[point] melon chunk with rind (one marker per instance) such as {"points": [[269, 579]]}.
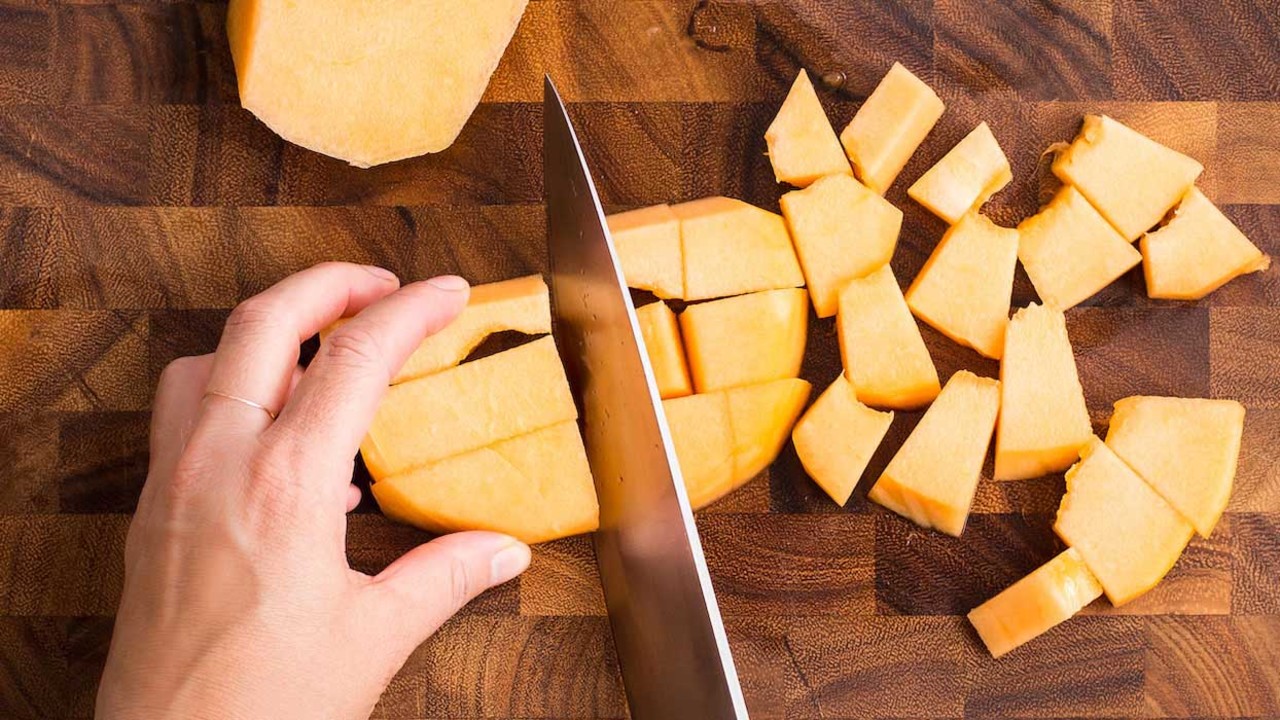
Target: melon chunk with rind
{"points": [[890, 125], [802, 144], [730, 247], [883, 354], [661, 334], [1198, 251], [745, 339], [647, 241], [965, 178], [1039, 602], [836, 437]]}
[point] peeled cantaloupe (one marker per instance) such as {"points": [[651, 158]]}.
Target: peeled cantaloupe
{"points": [[880, 345], [802, 145], [889, 126], [368, 83], [666, 351], [730, 247], [1036, 604], [965, 178], [746, 339], [1197, 252], [836, 438], [647, 241], [761, 416]]}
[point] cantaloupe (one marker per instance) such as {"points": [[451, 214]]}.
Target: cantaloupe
{"points": [[1197, 252], [889, 126], [965, 178], [703, 440], [841, 231], [368, 82], [665, 349], [745, 339], [836, 438], [880, 345], [802, 145], [1037, 603], [761, 416], [647, 241], [731, 247]]}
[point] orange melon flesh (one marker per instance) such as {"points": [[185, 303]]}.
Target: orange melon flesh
{"points": [[648, 245], [1070, 252], [802, 145], [1037, 603], [1127, 534], [368, 83], [745, 339], [665, 350], [965, 178], [1197, 252], [1186, 449], [965, 288], [534, 487], [1043, 418], [889, 126], [880, 345], [730, 247], [1130, 178], [932, 478], [761, 417], [841, 231], [703, 440], [836, 438]]}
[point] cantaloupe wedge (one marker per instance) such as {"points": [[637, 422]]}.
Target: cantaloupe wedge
{"points": [[802, 145], [647, 241], [1070, 252], [1043, 418], [1037, 603], [841, 231], [1127, 534], [932, 478], [745, 339], [965, 288], [534, 487], [836, 438], [1185, 448], [965, 178], [762, 416], [662, 342], [1130, 178], [1197, 252], [880, 345], [889, 126], [731, 247], [368, 82], [703, 440]]}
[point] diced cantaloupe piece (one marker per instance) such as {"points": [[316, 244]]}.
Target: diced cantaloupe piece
{"points": [[1197, 252], [884, 356], [1127, 534], [648, 244], [367, 82], [965, 288], [745, 339], [703, 440], [841, 231], [1185, 448], [534, 487], [1130, 178], [965, 178], [761, 417], [1043, 418], [934, 475], [1070, 251], [731, 247], [889, 126], [662, 341], [802, 145], [1037, 603], [836, 438]]}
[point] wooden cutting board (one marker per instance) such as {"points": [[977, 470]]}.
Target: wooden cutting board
{"points": [[138, 203]]}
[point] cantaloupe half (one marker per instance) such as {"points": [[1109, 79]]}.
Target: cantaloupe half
{"points": [[836, 438], [368, 82], [730, 247], [647, 241], [1037, 603], [746, 339], [1197, 252], [889, 126], [802, 145], [965, 178], [880, 345], [662, 342]]}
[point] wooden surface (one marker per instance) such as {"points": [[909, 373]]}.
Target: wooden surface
{"points": [[138, 203]]}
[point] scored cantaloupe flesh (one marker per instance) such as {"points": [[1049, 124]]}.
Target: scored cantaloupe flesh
{"points": [[1070, 252], [730, 247], [836, 438], [889, 126], [1185, 448], [1197, 252], [965, 288], [1037, 603], [647, 241], [880, 345], [934, 475], [745, 339], [534, 487], [761, 417], [367, 82], [666, 352], [1043, 418], [965, 178], [703, 440], [802, 145], [841, 231], [1127, 534]]}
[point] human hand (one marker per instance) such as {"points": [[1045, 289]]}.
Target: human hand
{"points": [[238, 600]]}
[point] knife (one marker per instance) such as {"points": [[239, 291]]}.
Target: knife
{"points": [[667, 630]]}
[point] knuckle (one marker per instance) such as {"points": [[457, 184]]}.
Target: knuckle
{"points": [[177, 370], [354, 347], [461, 582], [254, 315]]}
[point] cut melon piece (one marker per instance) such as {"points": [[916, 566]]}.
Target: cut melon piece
{"points": [[1071, 252], [1130, 178], [761, 417], [965, 178], [1197, 252], [880, 345], [533, 487], [836, 438], [932, 478], [965, 288], [1043, 418], [1185, 448], [648, 245], [802, 145], [746, 339], [1037, 603], [368, 83], [889, 126], [1127, 534], [841, 231], [731, 247], [666, 351], [703, 440]]}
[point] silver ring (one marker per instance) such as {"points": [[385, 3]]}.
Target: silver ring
{"points": [[243, 401]]}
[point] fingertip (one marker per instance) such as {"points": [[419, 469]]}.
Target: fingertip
{"points": [[449, 283], [509, 562]]}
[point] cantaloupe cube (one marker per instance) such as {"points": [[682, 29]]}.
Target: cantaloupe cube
{"points": [[534, 487], [965, 178], [1127, 534], [1036, 604], [932, 478], [1070, 252], [703, 440], [1185, 448], [731, 248], [965, 288], [762, 416], [836, 438], [648, 245], [889, 126], [841, 231], [880, 345], [1043, 418], [1197, 252], [746, 339], [1130, 178], [802, 145], [666, 351]]}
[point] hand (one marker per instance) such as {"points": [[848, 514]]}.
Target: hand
{"points": [[238, 601]]}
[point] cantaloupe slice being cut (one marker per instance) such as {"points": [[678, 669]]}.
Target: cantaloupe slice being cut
{"points": [[889, 126], [965, 178], [880, 345], [836, 438], [647, 241], [761, 417], [1037, 603], [730, 247], [1197, 252], [746, 339], [802, 145], [662, 342]]}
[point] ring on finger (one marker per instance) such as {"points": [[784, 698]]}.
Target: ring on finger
{"points": [[243, 401]]}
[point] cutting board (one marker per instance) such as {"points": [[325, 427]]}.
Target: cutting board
{"points": [[138, 203]]}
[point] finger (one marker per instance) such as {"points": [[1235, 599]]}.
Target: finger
{"points": [[175, 409], [353, 497]]}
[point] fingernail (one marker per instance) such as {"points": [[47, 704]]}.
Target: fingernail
{"points": [[508, 563], [449, 283], [380, 273]]}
